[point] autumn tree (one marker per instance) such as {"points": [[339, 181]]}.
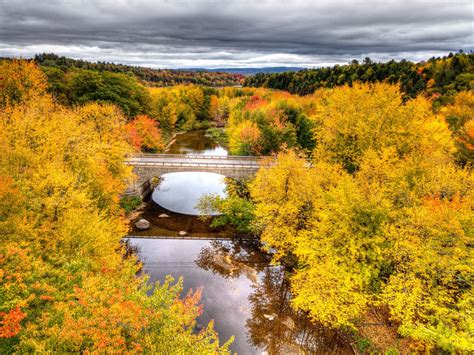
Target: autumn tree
{"points": [[352, 120], [144, 134], [183, 107], [67, 284], [20, 81], [244, 139], [460, 117], [380, 219]]}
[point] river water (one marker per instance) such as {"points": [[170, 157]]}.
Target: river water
{"points": [[195, 142], [242, 292], [180, 192]]}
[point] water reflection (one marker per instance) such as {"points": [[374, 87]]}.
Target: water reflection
{"points": [[195, 142], [233, 259], [277, 327], [273, 325], [224, 299], [180, 192], [242, 292]]}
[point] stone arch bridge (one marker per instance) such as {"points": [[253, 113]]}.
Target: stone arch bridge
{"points": [[150, 166]]}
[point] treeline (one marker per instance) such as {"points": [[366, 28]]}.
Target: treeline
{"points": [[68, 285], [258, 121], [152, 77], [440, 78], [153, 114]]}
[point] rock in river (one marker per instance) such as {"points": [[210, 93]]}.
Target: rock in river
{"points": [[270, 316], [183, 233], [142, 224], [163, 215]]}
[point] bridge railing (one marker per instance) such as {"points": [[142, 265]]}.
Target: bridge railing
{"points": [[193, 165], [189, 237], [195, 156]]}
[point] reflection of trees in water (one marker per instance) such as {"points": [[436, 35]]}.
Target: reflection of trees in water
{"points": [[232, 259], [190, 142], [274, 325], [278, 328], [202, 143]]}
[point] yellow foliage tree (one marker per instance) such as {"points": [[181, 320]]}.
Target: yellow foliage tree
{"points": [[380, 219], [20, 81], [244, 138], [67, 284], [352, 120], [460, 116]]}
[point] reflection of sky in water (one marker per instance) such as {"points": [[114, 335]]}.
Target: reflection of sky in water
{"points": [[180, 192], [215, 151], [224, 300]]}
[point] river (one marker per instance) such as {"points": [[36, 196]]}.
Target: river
{"points": [[241, 291]]}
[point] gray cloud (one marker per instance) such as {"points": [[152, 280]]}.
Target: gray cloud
{"points": [[225, 33]]}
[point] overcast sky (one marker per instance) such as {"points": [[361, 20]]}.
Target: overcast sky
{"points": [[235, 33]]}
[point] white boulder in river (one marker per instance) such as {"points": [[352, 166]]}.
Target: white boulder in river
{"points": [[142, 224], [163, 215]]}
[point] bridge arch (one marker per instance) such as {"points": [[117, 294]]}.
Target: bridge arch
{"points": [[150, 166]]}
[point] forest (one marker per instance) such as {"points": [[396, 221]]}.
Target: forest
{"points": [[372, 207], [380, 221], [439, 78], [68, 284], [365, 194], [55, 65]]}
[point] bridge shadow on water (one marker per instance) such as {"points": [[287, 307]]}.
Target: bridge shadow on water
{"points": [[171, 225]]}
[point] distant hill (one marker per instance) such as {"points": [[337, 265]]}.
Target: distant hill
{"points": [[249, 71], [440, 78], [151, 77]]}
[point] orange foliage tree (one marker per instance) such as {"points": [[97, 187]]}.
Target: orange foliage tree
{"points": [[144, 134]]}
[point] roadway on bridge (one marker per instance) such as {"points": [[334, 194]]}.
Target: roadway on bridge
{"points": [[194, 160]]}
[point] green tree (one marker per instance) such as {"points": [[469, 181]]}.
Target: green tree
{"points": [[123, 90]]}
